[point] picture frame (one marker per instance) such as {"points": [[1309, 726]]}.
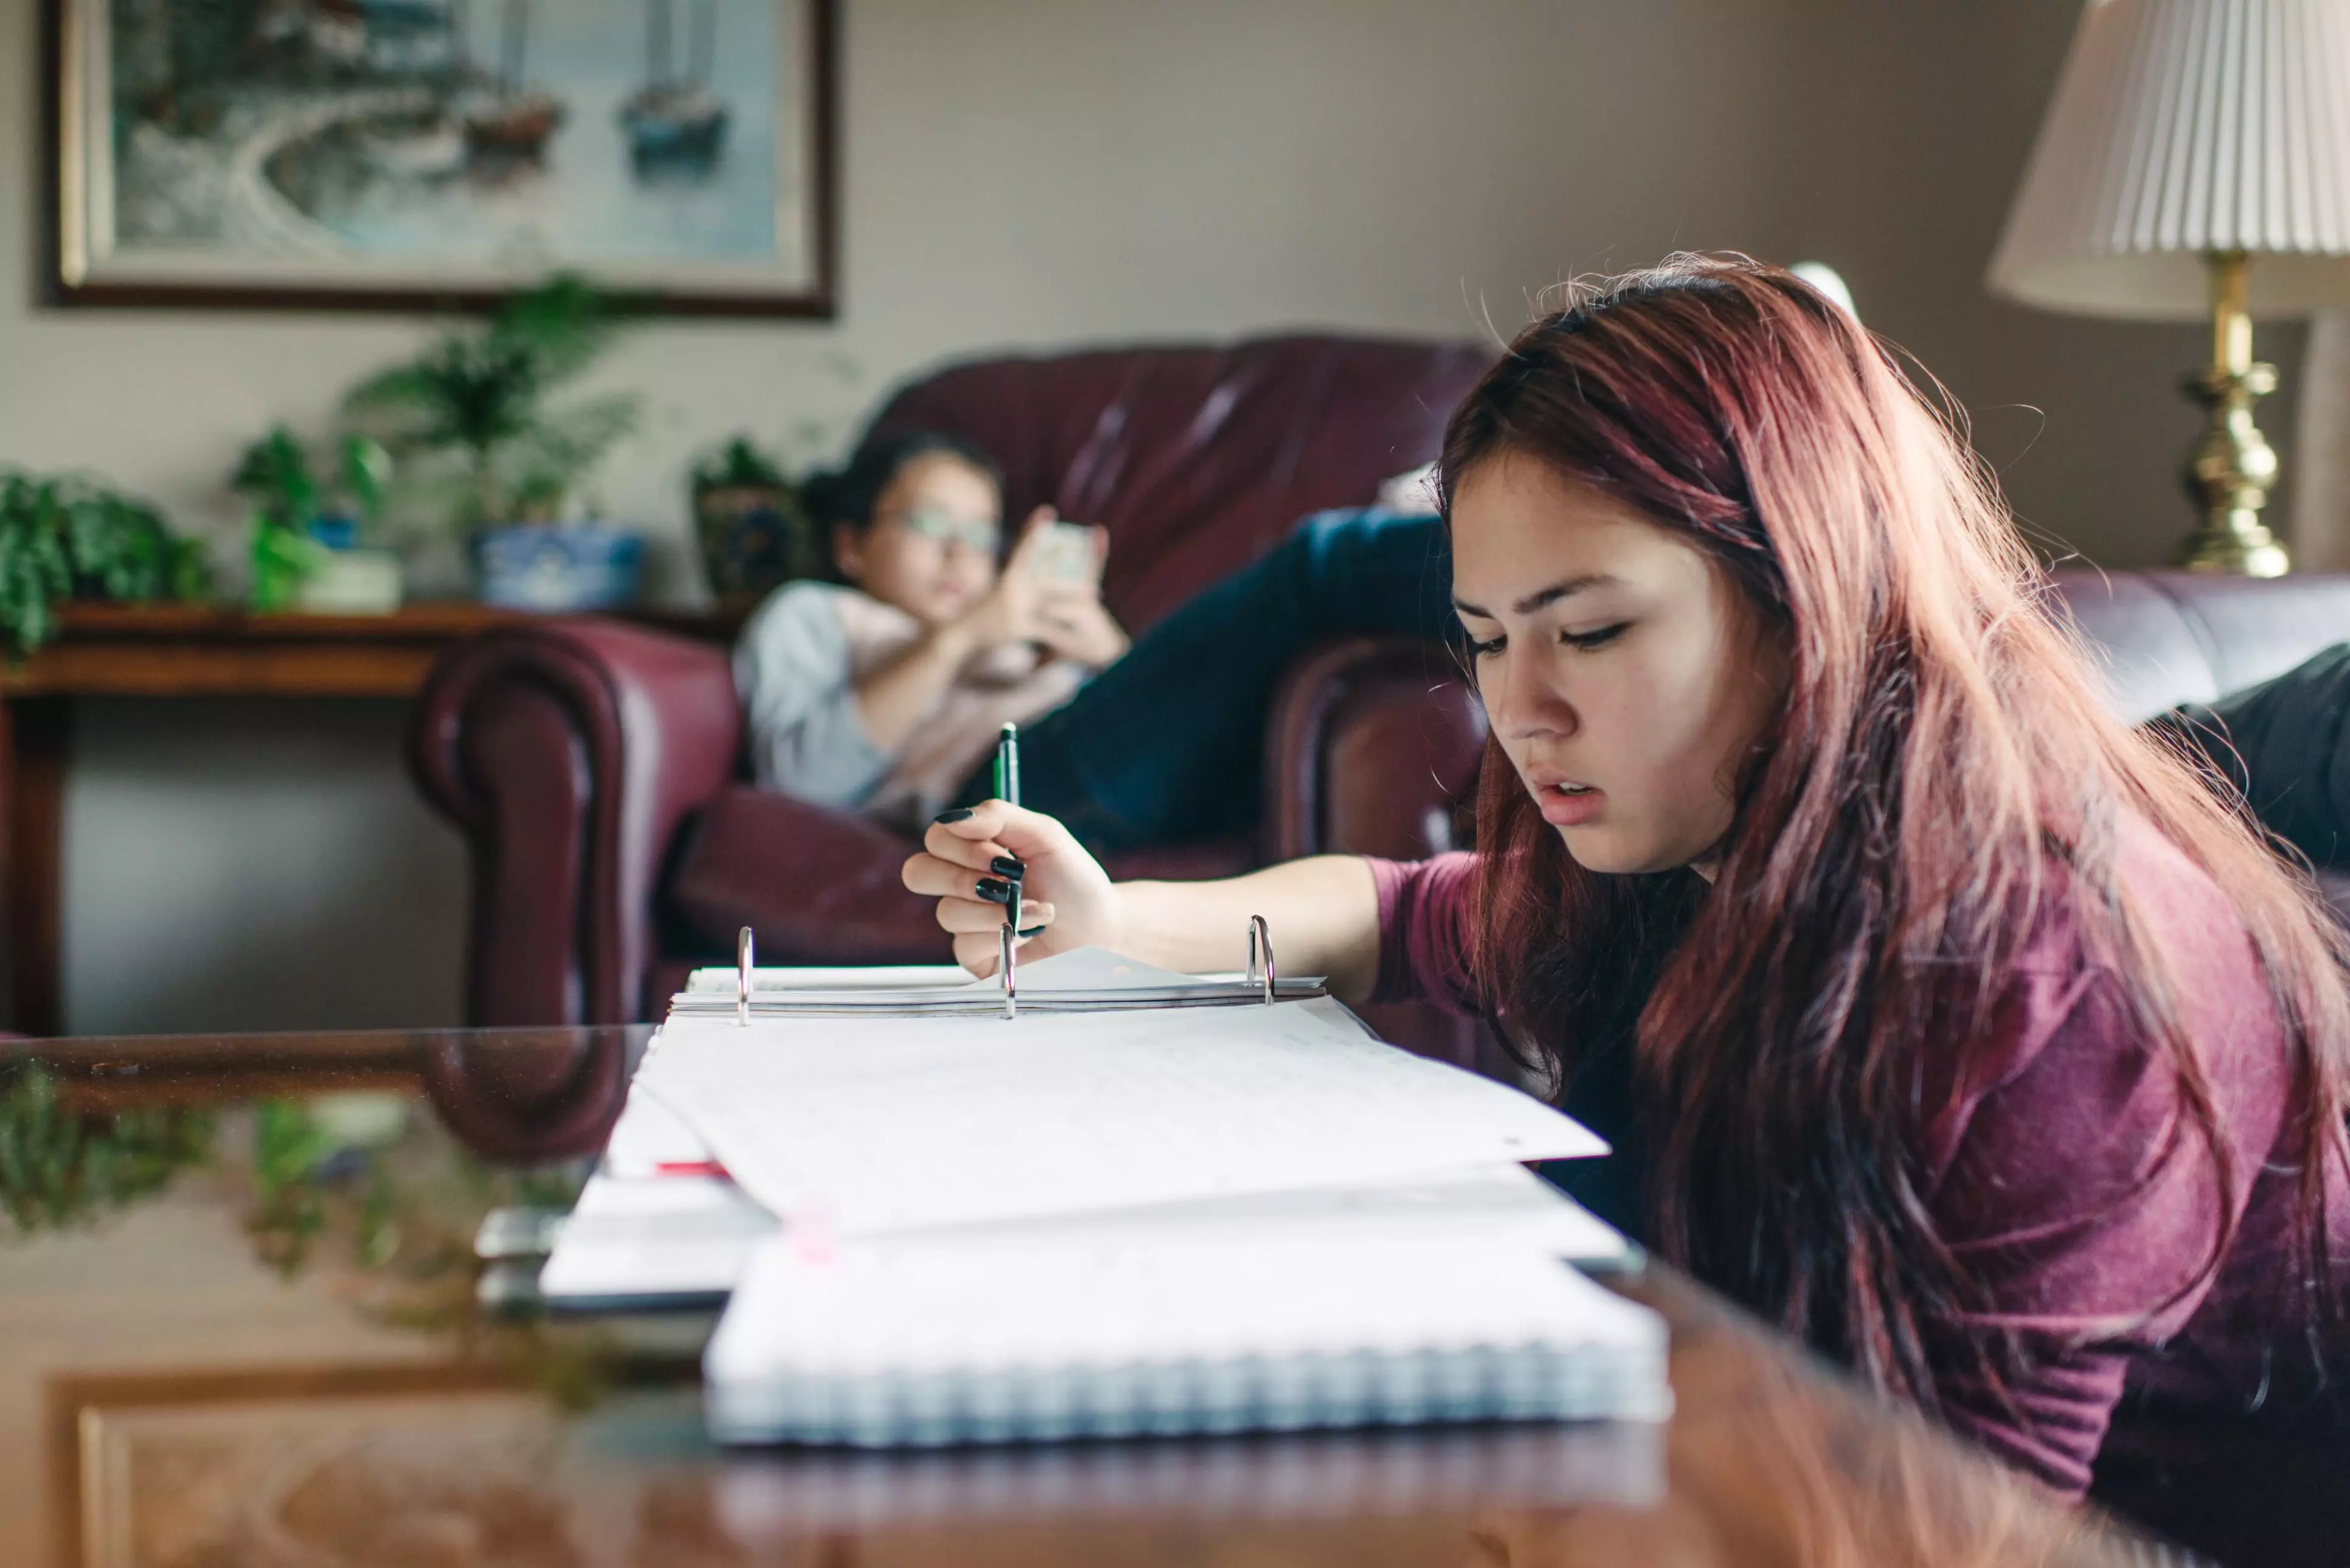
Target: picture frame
{"points": [[414, 155], [193, 1452]]}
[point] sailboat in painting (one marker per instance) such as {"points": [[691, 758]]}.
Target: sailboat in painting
{"points": [[673, 119], [514, 125]]}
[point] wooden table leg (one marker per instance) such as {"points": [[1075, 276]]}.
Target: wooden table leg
{"points": [[36, 734]]}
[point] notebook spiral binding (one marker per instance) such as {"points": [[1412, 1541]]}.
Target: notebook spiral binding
{"points": [[1302, 1392]]}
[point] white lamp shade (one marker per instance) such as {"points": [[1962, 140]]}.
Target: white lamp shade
{"points": [[2180, 128]]}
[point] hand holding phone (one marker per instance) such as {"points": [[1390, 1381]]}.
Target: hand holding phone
{"points": [[1064, 552]]}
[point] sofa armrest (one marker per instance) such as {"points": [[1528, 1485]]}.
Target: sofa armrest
{"points": [[1371, 748], [567, 752]]}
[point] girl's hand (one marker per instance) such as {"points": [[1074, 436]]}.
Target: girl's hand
{"points": [[1077, 627], [1012, 610], [1064, 889]]}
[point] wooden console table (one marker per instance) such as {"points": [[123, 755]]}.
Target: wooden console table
{"points": [[182, 650]]}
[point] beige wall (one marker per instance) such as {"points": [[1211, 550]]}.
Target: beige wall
{"points": [[1052, 172]]}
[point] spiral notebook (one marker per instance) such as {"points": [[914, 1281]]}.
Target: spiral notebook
{"points": [[1252, 1325]]}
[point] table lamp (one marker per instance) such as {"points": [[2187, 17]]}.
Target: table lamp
{"points": [[2197, 161]]}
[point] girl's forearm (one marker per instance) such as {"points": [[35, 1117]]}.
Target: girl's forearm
{"points": [[894, 699], [1323, 914]]}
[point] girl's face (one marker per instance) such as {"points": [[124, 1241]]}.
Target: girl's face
{"points": [[931, 546], [1624, 675]]}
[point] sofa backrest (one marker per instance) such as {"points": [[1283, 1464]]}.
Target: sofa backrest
{"points": [[2168, 638], [1196, 457]]}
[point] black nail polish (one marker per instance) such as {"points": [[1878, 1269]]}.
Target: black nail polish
{"points": [[1010, 865], [1030, 932], [953, 814], [994, 891]]}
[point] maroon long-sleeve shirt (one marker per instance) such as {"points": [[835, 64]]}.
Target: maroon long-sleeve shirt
{"points": [[2050, 1165]]}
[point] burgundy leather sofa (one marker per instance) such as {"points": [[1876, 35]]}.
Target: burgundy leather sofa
{"points": [[594, 766]]}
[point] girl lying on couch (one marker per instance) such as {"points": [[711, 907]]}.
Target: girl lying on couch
{"points": [[884, 693], [881, 692]]}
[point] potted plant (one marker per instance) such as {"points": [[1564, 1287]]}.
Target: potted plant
{"points": [[67, 538], [752, 531], [305, 535], [470, 420]]}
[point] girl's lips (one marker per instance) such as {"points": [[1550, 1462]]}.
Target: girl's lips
{"points": [[1563, 810]]}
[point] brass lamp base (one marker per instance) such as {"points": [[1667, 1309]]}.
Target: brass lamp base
{"points": [[2231, 469], [2228, 475]]}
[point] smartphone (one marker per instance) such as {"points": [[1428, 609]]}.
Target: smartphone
{"points": [[1064, 552]]}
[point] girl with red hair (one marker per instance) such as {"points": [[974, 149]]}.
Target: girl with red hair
{"points": [[1932, 1013]]}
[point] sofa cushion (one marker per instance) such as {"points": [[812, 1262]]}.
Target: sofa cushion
{"points": [[820, 886], [2168, 638], [816, 886]]}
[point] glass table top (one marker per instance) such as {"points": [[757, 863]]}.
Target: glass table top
{"points": [[246, 1323]]}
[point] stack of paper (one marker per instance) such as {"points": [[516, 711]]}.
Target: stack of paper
{"points": [[660, 1223], [1101, 1223]]}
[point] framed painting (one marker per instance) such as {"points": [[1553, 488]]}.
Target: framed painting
{"points": [[407, 154]]}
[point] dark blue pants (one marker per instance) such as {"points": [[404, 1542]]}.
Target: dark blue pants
{"points": [[2285, 745], [1168, 744]]}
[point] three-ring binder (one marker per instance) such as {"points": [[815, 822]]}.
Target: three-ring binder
{"points": [[743, 977], [1260, 936], [738, 993], [1008, 966], [1260, 978]]}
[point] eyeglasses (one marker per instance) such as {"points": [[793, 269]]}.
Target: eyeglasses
{"points": [[979, 535]]}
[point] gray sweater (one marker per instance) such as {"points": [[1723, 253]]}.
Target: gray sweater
{"points": [[795, 673]]}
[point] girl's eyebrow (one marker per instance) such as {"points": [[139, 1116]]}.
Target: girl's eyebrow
{"points": [[1563, 589]]}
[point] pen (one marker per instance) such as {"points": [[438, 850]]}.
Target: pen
{"points": [[1007, 789]]}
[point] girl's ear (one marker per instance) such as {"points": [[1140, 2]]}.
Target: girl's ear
{"points": [[848, 552]]}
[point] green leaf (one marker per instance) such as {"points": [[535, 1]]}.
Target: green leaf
{"points": [[405, 391], [561, 328], [63, 538], [283, 559], [275, 471], [367, 471], [739, 463], [573, 442], [480, 396]]}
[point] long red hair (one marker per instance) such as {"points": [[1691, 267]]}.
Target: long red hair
{"points": [[1941, 755]]}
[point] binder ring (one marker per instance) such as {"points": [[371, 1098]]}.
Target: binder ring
{"points": [[743, 979], [1260, 938], [1006, 959]]}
